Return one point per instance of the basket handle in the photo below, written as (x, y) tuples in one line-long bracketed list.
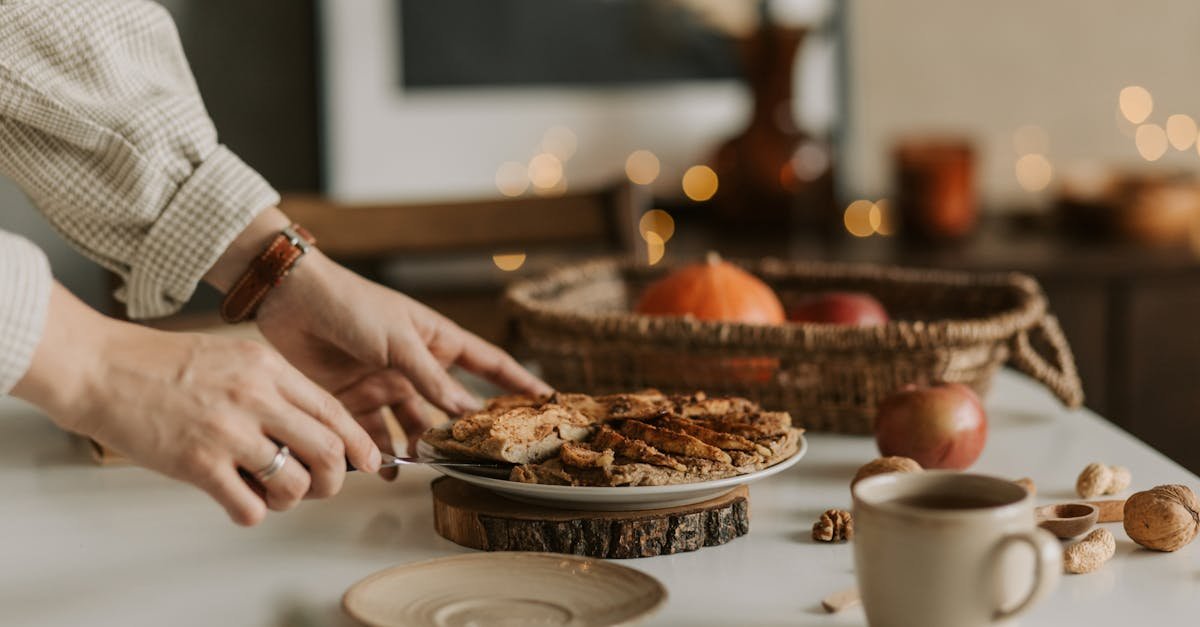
[(1057, 373)]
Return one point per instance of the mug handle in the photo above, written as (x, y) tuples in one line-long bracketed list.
[(1046, 569)]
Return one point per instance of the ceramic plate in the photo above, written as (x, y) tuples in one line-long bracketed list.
[(505, 589), (623, 498)]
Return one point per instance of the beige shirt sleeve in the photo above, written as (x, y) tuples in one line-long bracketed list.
[(102, 125), (24, 295)]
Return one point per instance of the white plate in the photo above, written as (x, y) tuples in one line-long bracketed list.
[(621, 498)]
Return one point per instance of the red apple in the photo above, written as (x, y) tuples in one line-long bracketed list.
[(942, 426), (849, 308)]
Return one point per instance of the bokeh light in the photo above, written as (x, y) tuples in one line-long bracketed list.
[(1034, 172), (1151, 141), (1181, 131), (857, 218), (655, 247), (560, 141), (1136, 103), (658, 222), (700, 183), (1030, 139), (512, 178), (810, 161), (642, 167), (545, 171), (881, 219), (509, 261)]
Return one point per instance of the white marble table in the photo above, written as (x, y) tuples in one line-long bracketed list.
[(84, 545)]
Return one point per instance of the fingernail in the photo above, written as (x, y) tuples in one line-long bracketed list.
[(375, 459)]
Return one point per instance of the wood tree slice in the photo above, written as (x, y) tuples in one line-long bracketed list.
[(480, 519)]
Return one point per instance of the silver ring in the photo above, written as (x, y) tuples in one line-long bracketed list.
[(277, 462)]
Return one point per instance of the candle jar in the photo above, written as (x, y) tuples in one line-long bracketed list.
[(935, 189)]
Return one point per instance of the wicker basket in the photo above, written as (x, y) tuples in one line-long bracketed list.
[(949, 326)]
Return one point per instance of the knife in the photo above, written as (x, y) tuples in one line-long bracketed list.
[(390, 461)]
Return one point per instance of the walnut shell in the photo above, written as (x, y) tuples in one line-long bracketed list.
[(1163, 518), (885, 465)]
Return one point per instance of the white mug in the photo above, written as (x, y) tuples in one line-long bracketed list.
[(942, 549)]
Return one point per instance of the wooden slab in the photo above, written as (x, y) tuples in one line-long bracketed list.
[(479, 519)]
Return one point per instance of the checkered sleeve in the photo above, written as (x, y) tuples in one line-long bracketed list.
[(102, 124), (24, 295)]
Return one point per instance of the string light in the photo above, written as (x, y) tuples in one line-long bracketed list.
[(509, 262), (1136, 103), (512, 178), (1034, 172), (857, 218), (545, 170), (1151, 141), (658, 222), (700, 183), (642, 167), (656, 248), (560, 141), (880, 218), (1181, 131)]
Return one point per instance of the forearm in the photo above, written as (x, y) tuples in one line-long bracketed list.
[(245, 247), (71, 343)]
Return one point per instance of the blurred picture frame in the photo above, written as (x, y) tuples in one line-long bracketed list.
[(383, 141)]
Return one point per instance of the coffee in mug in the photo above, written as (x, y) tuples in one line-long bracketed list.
[(948, 549)]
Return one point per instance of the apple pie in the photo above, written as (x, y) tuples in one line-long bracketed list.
[(637, 439)]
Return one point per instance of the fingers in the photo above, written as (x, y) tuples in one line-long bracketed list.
[(497, 366), (226, 487), (286, 487), (314, 445), (311, 399), (375, 422), (432, 380), (414, 420)]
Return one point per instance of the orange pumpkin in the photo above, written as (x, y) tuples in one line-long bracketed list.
[(713, 290)]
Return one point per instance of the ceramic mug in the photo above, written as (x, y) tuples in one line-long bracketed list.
[(944, 549)]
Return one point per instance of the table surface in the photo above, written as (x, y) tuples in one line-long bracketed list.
[(81, 544)]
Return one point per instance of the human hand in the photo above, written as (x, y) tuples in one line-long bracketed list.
[(194, 407), (374, 347)]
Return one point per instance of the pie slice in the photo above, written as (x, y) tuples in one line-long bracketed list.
[(520, 435)]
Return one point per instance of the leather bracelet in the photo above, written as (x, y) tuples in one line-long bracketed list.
[(265, 272)]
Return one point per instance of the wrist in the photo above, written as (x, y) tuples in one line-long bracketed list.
[(303, 285), (67, 362), (248, 245)]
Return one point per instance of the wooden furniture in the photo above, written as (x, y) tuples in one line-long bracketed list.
[(124, 546), (479, 519), (375, 231)]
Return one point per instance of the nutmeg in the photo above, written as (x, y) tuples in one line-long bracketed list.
[(885, 465), (1163, 518)]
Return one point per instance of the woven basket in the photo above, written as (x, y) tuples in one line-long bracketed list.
[(948, 326)]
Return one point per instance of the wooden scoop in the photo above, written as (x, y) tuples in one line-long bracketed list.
[(1067, 520)]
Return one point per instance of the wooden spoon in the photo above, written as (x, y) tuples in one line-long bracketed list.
[(1067, 520)]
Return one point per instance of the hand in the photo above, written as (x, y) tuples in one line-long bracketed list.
[(374, 347), (197, 408)]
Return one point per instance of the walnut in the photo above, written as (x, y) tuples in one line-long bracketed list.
[(1097, 479), (885, 465), (1090, 553), (1163, 518), (835, 525)]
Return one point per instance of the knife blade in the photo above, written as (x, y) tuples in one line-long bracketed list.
[(390, 461)]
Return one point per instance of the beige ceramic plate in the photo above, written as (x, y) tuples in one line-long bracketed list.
[(505, 589)]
